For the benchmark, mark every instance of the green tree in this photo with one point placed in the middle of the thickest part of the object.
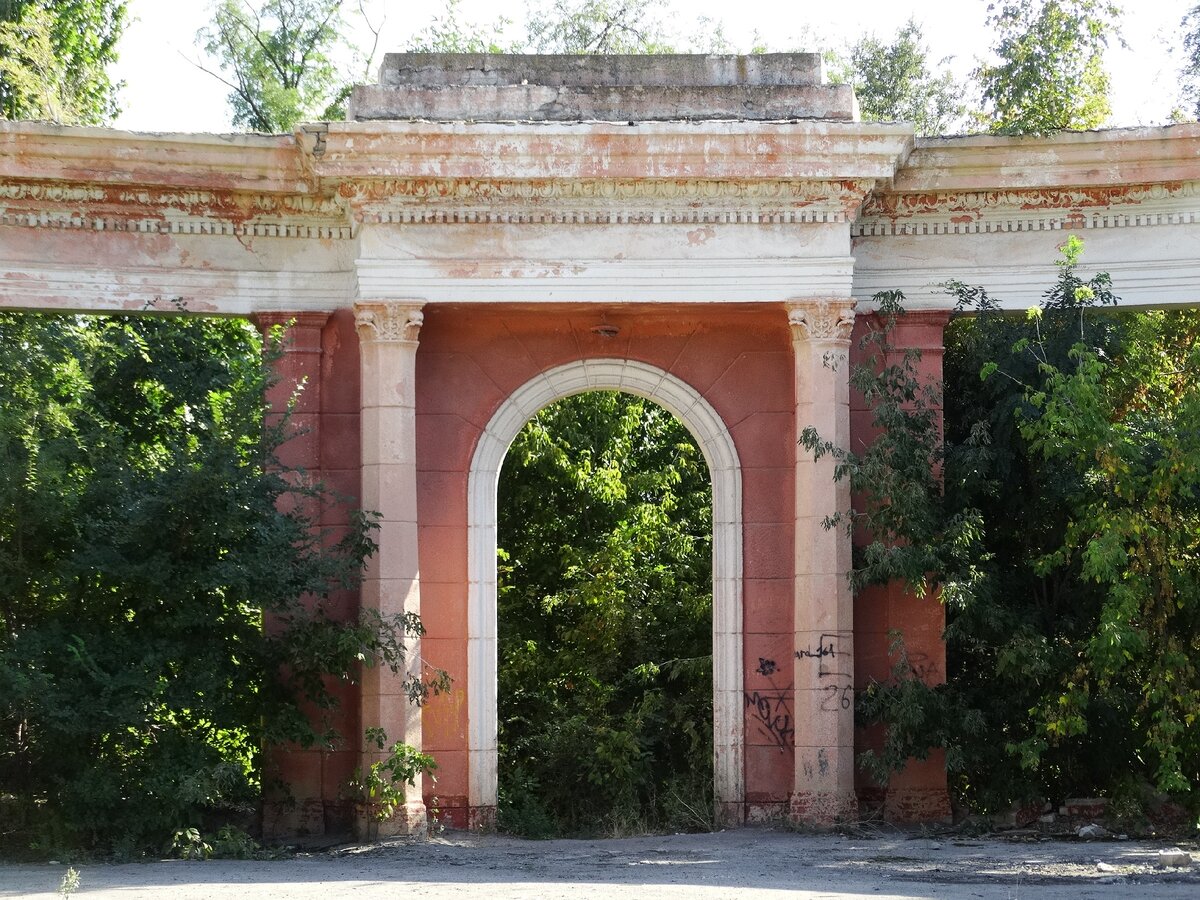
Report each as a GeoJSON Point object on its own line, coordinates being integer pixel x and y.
{"type": "Point", "coordinates": [147, 527]}
{"type": "Point", "coordinates": [278, 56]}
{"type": "Point", "coordinates": [1063, 541]}
{"type": "Point", "coordinates": [448, 33]}
{"type": "Point", "coordinates": [1050, 74]}
{"type": "Point", "coordinates": [1016, 637]}
{"type": "Point", "coordinates": [1190, 72]}
{"type": "Point", "coordinates": [599, 26]}
{"type": "Point", "coordinates": [1128, 427]}
{"type": "Point", "coordinates": [605, 622]}
{"type": "Point", "coordinates": [54, 57]}
{"type": "Point", "coordinates": [893, 82]}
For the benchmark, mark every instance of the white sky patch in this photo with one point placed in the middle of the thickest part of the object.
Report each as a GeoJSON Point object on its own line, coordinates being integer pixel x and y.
{"type": "Point", "coordinates": [165, 91]}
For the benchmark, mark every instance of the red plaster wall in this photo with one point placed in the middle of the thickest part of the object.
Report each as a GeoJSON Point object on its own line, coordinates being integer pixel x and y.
{"type": "Point", "coordinates": [321, 354]}
{"type": "Point", "coordinates": [918, 793]}
{"type": "Point", "coordinates": [472, 358]}
{"type": "Point", "coordinates": [341, 455]}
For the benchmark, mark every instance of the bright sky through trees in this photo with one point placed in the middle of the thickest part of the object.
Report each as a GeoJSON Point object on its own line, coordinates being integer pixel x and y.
{"type": "Point", "coordinates": [166, 92]}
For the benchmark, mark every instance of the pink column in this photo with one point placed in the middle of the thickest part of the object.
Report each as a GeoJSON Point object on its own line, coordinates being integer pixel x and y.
{"type": "Point", "coordinates": [388, 352]}
{"type": "Point", "coordinates": [823, 615]}
{"type": "Point", "coordinates": [299, 374]}
{"type": "Point", "coordinates": [919, 792]}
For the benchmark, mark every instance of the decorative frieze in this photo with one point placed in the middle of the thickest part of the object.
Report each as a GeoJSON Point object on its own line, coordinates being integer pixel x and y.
{"type": "Point", "coordinates": [390, 321]}
{"type": "Point", "coordinates": [149, 210]}
{"type": "Point", "coordinates": [1033, 209]}
{"type": "Point", "coordinates": [604, 201]}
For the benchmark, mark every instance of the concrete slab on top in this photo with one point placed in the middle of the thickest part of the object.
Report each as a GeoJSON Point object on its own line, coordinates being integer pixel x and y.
{"type": "Point", "coordinates": [635, 88]}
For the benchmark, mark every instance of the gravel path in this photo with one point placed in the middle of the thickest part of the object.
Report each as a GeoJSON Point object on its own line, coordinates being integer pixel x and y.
{"type": "Point", "coordinates": [751, 864]}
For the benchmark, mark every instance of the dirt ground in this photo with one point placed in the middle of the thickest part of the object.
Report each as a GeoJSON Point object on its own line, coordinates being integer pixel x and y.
{"type": "Point", "coordinates": [748, 863]}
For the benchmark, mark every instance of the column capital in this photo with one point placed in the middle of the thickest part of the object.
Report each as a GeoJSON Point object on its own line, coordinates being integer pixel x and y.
{"type": "Point", "coordinates": [388, 320]}
{"type": "Point", "coordinates": [822, 319]}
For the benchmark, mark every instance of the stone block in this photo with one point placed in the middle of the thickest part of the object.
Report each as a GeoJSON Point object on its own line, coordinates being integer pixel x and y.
{"type": "Point", "coordinates": [595, 70]}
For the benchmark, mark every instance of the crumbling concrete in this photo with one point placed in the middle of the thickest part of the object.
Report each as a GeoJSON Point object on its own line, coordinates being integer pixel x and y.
{"type": "Point", "coordinates": [556, 88]}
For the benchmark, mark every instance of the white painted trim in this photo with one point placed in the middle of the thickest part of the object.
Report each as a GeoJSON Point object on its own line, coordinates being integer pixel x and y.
{"type": "Point", "coordinates": [524, 280]}
{"type": "Point", "coordinates": [715, 442]}
{"type": "Point", "coordinates": [88, 287]}
{"type": "Point", "coordinates": [1018, 286]}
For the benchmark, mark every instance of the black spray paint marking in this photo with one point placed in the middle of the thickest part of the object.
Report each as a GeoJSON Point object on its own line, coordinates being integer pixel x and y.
{"type": "Point", "coordinates": [773, 715]}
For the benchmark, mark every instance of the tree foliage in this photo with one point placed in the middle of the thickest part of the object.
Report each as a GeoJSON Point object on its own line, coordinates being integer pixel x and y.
{"type": "Point", "coordinates": [1064, 543]}
{"type": "Point", "coordinates": [599, 26]}
{"type": "Point", "coordinates": [54, 57]}
{"type": "Point", "coordinates": [1190, 72]}
{"type": "Point", "coordinates": [147, 527]}
{"type": "Point", "coordinates": [1050, 74]}
{"type": "Point", "coordinates": [893, 82]}
{"type": "Point", "coordinates": [1127, 426]}
{"type": "Point", "coordinates": [605, 622]}
{"type": "Point", "coordinates": [448, 33]}
{"type": "Point", "coordinates": [278, 56]}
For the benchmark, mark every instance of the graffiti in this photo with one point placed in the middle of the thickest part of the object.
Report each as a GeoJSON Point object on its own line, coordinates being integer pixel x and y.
{"type": "Point", "coordinates": [837, 697]}
{"type": "Point", "coordinates": [773, 715]}
{"type": "Point", "coordinates": [765, 666]}
{"type": "Point", "coordinates": [827, 657]}
{"type": "Point", "coordinates": [921, 665]}
{"type": "Point", "coordinates": [825, 647]}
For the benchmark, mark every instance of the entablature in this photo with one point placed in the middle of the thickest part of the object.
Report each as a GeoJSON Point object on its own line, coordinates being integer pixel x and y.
{"type": "Point", "coordinates": [986, 184]}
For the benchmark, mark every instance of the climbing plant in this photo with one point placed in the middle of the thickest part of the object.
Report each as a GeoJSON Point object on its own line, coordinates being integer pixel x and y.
{"type": "Point", "coordinates": [1063, 540]}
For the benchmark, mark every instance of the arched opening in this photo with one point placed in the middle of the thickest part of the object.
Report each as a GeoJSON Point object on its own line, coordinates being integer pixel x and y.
{"type": "Point", "coordinates": [717, 446]}
{"type": "Point", "coordinates": [604, 631]}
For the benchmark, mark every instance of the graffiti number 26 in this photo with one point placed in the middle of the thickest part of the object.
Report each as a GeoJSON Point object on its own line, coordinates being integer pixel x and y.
{"type": "Point", "coordinates": [837, 698]}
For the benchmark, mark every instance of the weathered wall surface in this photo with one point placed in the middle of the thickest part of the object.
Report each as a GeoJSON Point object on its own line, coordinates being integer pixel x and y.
{"type": "Point", "coordinates": [918, 793]}
{"type": "Point", "coordinates": [319, 366]}
{"type": "Point", "coordinates": [692, 237]}
{"type": "Point", "coordinates": [738, 358]}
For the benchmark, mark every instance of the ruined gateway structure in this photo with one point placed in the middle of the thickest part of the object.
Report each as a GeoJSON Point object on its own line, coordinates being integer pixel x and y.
{"type": "Point", "coordinates": [444, 258]}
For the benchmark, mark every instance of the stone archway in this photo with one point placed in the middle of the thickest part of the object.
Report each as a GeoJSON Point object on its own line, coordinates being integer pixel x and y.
{"type": "Point", "coordinates": [717, 445]}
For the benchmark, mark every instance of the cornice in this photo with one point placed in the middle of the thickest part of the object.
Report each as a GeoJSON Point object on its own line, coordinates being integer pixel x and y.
{"type": "Point", "coordinates": [107, 156]}
{"type": "Point", "coordinates": [719, 150]}
{"type": "Point", "coordinates": [1066, 159]}
{"type": "Point", "coordinates": [1071, 180]}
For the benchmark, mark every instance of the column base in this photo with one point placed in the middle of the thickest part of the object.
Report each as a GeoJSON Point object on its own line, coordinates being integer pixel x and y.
{"type": "Point", "coordinates": [822, 809]}
{"type": "Point", "coordinates": [411, 819]}
{"type": "Point", "coordinates": [918, 805]}
{"type": "Point", "coordinates": [283, 820]}
{"type": "Point", "coordinates": [730, 815]}
{"type": "Point", "coordinates": [481, 818]}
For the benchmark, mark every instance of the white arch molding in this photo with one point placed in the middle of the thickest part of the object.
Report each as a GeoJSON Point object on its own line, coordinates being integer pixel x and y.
{"type": "Point", "coordinates": [715, 442]}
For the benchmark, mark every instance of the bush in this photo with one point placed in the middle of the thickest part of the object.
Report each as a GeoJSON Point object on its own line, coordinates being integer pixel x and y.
{"type": "Point", "coordinates": [147, 529]}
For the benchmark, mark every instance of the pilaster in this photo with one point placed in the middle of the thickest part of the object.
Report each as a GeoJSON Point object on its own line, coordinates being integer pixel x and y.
{"type": "Point", "coordinates": [388, 334]}
{"type": "Point", "coordinates": [919, 793]}
{"type": "Point", "coordinates": [298, 385]}
{"type": "Point", "coordinates": [823, 616]}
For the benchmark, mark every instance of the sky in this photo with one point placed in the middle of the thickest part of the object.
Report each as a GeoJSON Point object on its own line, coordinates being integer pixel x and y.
{"type": "Point", "coordinates": [166, 90]}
